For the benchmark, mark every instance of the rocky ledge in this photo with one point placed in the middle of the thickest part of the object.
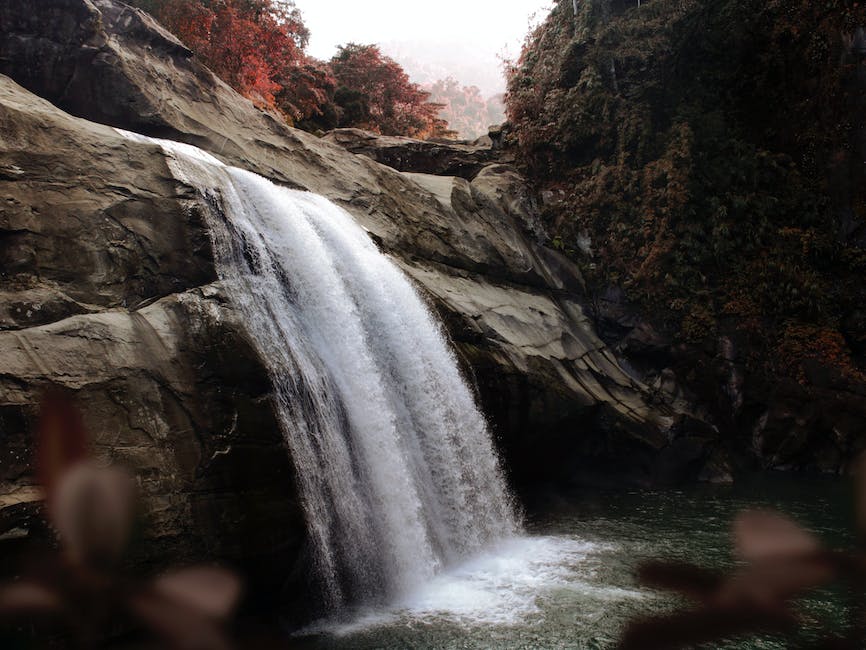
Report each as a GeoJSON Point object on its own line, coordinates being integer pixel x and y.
{"type": "Point", "coordinates": [463, 159]}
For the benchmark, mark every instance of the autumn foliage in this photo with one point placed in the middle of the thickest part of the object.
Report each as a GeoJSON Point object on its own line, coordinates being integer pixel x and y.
{"type": "Point", "coordinates": [250, 44]}
{"type": "Point", "coordinates": [258, 48]}
{"type": "Point", "coordinates": [375, 93]}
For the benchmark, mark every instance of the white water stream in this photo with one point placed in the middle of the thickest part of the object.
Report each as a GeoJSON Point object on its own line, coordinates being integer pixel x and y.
{"type": "Point", "coordinates": [398, 475]}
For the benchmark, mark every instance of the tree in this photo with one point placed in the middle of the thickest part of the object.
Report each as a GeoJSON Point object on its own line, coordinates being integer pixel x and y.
{"type": "Point", "coordinates": [306, 94]}
{"type": "Point", "coordinates": [375, 93]}
{"type": "Point", "coordinates": [258, 48]}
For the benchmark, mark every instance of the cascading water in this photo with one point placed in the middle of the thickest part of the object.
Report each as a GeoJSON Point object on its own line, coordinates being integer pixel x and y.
{"type": "Point", "coordinates": [397, 471]}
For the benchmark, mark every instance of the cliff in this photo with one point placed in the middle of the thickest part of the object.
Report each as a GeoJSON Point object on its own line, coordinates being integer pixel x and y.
{"type": "Point", "coordinates": [109, 289]}
{"type": "Point", "coordinates": [702, 163]}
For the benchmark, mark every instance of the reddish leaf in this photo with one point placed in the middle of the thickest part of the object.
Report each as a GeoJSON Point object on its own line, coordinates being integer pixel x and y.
{"type": "Point", "coordinates": [93, 512]}
{"type": "Point", "coordinates": [763, 534]}
{"type": "Point", "coordinates": [179, 626]}
{"type": "Point", "coordinates": [687, 579]}
{"type": "Point", "coordinates": [209, 590]}
{"type": "Point", "coordinates": [61, 439]}
{"type": "Point", "coordinates": [775, 581]}
{"type": "Point", "coordinates": [693, 627]}
{"type": "Point", "coordinates": [28, 598]}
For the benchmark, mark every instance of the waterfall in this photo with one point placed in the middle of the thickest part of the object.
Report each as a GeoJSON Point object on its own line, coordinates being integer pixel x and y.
{"type": "Point", "coordinates": [396, 467]}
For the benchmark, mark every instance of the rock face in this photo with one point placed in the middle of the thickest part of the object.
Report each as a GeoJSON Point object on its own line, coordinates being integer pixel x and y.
{"type": "Point", "coordinates": [109, 289]}
{"type": "Point", "coordinates": [644, 127]}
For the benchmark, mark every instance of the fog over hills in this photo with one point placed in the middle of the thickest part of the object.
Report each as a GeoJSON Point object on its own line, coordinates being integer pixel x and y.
{"type": "Point", "coordinates": [427, 63]}
{"type": "Point", "coordinates": [463, 40]}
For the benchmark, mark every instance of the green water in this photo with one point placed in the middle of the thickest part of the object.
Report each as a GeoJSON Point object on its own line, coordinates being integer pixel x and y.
{"type": "Point", "coordinates": [570, 583]}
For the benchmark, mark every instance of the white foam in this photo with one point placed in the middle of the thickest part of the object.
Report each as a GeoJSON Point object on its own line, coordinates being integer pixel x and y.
{"type": "Point", "coordinates": [506, 585]}
{"type": "Point", "coordinates": [500, 586]}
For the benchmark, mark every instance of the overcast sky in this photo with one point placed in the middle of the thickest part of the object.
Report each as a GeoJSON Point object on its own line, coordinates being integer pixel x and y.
{"type": "Point", "coordinates": [479, 29]}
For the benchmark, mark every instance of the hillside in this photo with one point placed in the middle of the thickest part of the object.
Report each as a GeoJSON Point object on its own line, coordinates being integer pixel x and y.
{"type": "Point", "coordinates": [703, 162]}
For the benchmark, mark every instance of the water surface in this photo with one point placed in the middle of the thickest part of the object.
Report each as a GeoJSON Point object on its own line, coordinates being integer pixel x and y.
{"type": "Point", "coordinates": [569, 583]}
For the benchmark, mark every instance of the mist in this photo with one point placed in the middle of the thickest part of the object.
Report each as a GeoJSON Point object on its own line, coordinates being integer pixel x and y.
{"type": "Point", "coordinates": [464, 40]}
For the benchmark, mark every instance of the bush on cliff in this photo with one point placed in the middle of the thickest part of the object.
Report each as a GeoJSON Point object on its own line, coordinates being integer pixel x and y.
{"type": "Point", "coordinates": [710, 153]}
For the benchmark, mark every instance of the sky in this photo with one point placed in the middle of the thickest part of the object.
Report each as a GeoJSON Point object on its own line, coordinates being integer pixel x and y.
{"type": "Point", "coordinates": [462, 37]}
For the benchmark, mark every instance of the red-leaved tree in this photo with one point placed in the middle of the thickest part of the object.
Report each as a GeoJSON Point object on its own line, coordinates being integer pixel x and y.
{"type": "Point", "coordinates": [375, 93]}
{"type": "Point", "coordinates": [256, 46]}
